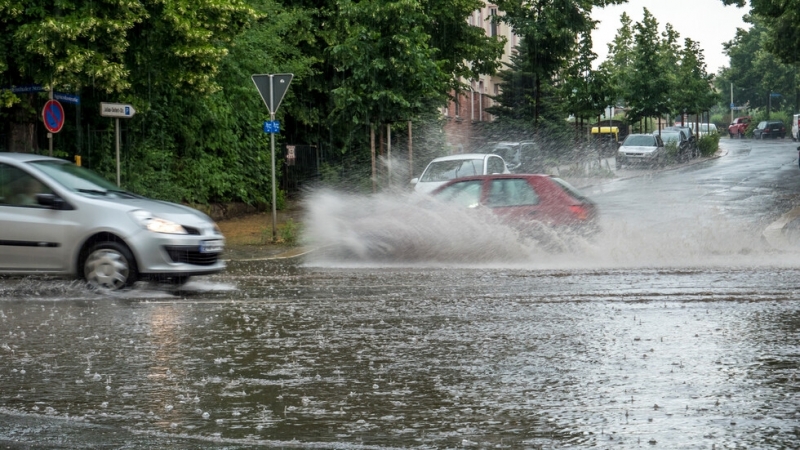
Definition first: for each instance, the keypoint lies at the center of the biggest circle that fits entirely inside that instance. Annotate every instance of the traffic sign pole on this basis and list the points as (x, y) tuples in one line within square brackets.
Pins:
[(272, 157), (265, 84)]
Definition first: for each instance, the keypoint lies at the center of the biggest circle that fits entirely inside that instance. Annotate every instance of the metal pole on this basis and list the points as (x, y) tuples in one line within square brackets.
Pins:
[(389, 153), (410, 153), (731, 102), (50, 135), (117, 139), (272, 153), (372, 152)]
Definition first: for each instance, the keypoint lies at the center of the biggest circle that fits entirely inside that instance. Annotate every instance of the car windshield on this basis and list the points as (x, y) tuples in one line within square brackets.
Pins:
[(79, 179), (451, 169), (640, 140), (670, 136)]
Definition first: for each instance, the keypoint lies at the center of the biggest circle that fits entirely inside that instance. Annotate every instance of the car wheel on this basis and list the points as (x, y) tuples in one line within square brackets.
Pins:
[(741, 136), (109, 265)]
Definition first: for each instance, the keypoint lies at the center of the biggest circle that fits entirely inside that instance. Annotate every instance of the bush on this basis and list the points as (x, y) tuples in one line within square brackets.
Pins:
[(708, 144), (290, 232)]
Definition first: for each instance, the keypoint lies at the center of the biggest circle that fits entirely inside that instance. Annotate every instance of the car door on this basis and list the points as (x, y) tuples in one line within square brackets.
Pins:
[(514, 201), (31, 235)]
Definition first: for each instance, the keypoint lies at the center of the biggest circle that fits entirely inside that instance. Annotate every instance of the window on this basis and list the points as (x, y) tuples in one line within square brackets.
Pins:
[(495, 165), (465, 193), (493, 23), (19, 188), (511, 192)]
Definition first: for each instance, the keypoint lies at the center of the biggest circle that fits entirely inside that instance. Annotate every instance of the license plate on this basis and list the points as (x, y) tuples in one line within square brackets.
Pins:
[(212, 246)]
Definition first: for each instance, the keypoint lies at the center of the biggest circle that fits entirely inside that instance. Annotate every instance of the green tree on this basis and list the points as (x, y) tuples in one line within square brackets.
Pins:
[(647, 81)]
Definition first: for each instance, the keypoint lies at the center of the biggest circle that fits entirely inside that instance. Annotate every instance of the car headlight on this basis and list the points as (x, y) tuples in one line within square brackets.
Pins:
[(156, 224)]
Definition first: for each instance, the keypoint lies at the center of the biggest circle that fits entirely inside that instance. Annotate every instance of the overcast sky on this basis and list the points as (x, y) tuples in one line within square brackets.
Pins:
[(707, 21)]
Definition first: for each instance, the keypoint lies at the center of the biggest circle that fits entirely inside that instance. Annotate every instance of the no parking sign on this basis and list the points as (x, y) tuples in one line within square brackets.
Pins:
[(53, 116)]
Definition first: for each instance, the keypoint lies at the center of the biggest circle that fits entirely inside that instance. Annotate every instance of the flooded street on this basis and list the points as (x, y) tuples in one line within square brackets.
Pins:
[(676, 328)]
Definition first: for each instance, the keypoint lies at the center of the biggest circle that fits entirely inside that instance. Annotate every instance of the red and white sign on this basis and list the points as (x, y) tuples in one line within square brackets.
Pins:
[(53, 116)]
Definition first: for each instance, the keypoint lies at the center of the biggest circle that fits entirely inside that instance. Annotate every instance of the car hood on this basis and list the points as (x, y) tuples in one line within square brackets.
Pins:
[(166, 210), (637, 149)]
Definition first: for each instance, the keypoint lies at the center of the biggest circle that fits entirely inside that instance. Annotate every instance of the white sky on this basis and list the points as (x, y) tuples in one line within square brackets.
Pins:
[(707, 21)]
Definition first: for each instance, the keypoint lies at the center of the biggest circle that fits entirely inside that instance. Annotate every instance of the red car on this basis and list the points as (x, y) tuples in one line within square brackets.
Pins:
[(739, 127), (524, 201)]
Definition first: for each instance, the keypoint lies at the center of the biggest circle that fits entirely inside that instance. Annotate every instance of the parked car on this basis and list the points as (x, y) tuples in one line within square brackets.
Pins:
[(795, 126), (60, 218), (682, 143), (446, 168), (640, 149), (705, 129), (770, 129), (738, 127), (691, 147), (519, 156), (524, 201)]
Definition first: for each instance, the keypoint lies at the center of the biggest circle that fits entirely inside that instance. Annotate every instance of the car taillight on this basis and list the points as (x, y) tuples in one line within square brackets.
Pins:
[(580, 211)]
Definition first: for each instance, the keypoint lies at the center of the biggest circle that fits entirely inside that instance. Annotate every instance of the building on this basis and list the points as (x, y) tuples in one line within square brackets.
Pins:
[(469, 108)]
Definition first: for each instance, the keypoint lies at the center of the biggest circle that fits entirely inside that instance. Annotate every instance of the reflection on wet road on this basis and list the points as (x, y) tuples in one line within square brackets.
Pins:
[(676, 328), (391, 357)]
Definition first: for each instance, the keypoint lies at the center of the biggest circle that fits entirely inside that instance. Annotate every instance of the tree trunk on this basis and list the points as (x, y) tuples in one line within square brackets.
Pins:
[(22, 127)]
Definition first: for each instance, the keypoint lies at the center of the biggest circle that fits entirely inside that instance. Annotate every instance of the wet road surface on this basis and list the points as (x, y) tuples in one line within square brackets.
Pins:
[(681, 332)]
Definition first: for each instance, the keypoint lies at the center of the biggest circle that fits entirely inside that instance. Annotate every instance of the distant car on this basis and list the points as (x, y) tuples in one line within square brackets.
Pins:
[(706, 129), (795, 126), (682, 143), (690, 135), (524, 201), (645, 149), (738, 127), (446, 168), (60, 218), (770, 129)]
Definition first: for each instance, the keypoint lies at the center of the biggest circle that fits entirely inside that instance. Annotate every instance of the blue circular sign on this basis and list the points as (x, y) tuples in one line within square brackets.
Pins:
[(53, 116)]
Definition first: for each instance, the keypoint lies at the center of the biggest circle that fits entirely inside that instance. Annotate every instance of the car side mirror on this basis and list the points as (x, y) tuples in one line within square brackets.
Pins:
[(51, 200), (414, 181)]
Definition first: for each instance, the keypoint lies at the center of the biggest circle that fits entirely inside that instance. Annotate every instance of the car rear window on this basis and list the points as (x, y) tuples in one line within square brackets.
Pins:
[(451, 169), (569, 189)]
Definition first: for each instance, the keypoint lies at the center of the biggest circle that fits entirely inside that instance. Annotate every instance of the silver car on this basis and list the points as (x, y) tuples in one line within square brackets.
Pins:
[(59, 218), (640, 149), (446, 168)]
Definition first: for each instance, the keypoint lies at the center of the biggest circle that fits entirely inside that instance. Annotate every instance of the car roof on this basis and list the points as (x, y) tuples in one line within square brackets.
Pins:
[(463, 156), (25, 157)]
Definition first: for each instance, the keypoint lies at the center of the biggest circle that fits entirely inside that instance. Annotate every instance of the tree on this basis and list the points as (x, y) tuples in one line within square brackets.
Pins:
[(551, 28), (647, 81), (782, 33)]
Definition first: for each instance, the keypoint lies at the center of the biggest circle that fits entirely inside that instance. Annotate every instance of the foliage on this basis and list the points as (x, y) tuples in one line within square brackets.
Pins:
[(290, 232), (782, 33), (756, 73), (708, 144)]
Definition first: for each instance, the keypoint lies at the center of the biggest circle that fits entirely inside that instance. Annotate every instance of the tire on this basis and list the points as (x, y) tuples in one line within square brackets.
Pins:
[(109, 266), (741, 136)]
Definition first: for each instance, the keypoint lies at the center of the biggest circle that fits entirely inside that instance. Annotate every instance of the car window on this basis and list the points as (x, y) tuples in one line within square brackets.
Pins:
[(19, 188), (640, 140), (463, 193), (511, 192), (671, 137), (495, 165), (507, 153), (762, 125), (451, 169)]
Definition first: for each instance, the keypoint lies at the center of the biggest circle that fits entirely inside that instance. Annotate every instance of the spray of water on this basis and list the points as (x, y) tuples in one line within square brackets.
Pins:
[(399, 228)]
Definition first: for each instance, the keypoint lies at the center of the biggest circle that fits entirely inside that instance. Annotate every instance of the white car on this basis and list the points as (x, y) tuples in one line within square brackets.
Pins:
[(640, 149), (59, 218), (795, 125), (446, 168)]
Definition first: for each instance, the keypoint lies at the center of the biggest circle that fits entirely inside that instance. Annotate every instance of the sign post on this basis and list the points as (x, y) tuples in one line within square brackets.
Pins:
[(117, 111), (272, 88)]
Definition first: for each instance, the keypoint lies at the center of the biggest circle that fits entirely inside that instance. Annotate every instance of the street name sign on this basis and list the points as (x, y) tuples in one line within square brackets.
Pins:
[(53, 116), (272, 88), (118, 110)]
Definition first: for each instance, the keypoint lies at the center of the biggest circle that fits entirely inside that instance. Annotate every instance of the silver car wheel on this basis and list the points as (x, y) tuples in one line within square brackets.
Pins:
[(107, 269)]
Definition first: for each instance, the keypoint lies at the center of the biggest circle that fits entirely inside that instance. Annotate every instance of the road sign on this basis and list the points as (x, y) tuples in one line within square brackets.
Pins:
[(732, 105), (53, 116), (67, 98), (774, 94), (272, 126), (118, 110), (272, 88)]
